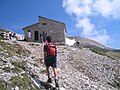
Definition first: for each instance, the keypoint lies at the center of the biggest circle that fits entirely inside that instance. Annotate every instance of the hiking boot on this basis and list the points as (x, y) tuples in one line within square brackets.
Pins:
[(49, 80), (56, 83)]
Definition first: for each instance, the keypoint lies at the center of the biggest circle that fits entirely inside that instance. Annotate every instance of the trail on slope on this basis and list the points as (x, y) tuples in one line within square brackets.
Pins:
[(78, 69)]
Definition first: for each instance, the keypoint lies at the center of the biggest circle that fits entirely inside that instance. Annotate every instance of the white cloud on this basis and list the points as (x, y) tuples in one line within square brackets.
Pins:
[(77, 7), (102, 7), (83, 9), (107, 8), (115, 8), (87, 26), (89, 31)]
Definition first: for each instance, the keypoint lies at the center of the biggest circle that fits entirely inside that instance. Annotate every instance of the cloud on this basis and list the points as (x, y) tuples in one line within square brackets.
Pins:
[(107, 8), (77, 8), (83, 9), (89, 31), (87, 26)]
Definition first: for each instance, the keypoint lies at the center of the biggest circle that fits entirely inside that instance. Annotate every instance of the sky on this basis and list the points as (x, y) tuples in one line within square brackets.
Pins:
[(98, 20)]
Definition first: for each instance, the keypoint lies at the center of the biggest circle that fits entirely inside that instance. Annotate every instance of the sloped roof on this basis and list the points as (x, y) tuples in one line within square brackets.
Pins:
[(47, 19), (30, 26), (51, 20)]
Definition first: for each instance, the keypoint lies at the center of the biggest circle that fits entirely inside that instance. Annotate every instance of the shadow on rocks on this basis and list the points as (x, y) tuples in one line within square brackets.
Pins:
[(46, 85)]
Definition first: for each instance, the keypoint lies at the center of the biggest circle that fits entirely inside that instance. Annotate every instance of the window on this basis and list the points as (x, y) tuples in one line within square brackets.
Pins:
[(44, 23)]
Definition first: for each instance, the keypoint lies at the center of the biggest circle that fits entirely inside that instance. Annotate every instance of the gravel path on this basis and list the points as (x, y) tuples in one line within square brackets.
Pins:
[(79, 69)]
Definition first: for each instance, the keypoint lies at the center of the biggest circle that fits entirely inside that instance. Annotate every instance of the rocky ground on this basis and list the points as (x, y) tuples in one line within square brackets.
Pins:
[(78, 68)]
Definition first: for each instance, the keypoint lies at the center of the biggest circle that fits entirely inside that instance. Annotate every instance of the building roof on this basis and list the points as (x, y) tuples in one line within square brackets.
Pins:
[(30, 26), (44, 18), (51, 20)]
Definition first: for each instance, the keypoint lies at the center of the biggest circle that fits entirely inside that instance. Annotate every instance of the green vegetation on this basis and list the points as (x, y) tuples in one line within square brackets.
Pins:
[(24, 82), (116, 51), (113, 54), (1, 38), (9, 50), (16, 70), (18, 81), (4, 30), (3, 85), (101, 52), (7, 69), (18, 65)]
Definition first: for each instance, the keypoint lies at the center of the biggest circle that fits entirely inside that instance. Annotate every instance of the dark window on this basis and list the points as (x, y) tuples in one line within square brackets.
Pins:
[(44, 23), (36, 35)]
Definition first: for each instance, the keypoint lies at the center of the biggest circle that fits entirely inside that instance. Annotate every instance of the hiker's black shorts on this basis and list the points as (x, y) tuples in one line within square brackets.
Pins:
[(51, 61)]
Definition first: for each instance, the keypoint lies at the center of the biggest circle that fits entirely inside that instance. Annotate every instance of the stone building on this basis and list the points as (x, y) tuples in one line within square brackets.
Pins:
[(55, 29)]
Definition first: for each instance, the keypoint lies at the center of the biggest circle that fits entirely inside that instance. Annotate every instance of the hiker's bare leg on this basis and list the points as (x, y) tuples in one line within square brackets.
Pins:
[(56, 78), (55, 72), (48, 72)]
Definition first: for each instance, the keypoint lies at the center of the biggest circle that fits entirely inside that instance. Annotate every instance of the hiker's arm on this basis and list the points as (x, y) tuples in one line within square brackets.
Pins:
[(55, 51), (45, 55)]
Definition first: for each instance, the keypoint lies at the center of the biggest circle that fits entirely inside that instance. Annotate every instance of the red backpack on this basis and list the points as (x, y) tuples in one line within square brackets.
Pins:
[(51, 49)]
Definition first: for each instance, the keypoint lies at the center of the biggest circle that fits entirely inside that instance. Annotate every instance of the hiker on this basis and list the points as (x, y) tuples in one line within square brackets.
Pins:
[(14, 36), (78, 43), (44, 36), (10, 35), (29, 36), (41, 38), (50, 54)]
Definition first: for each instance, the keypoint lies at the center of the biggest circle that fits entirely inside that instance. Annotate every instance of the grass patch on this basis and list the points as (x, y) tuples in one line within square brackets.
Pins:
[(4, 30), (116, 51), (9, 50), (101, 52), (111, 53), (21, 65), (16, 70), (3, 85), (24, 83), (20, 82), (115, 54), (7, 69)]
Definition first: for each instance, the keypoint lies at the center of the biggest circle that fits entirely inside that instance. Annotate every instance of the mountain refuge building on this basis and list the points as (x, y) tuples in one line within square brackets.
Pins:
[(55, 29)]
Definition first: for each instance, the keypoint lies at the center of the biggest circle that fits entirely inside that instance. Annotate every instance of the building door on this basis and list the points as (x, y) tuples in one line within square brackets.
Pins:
[(36, 35)]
